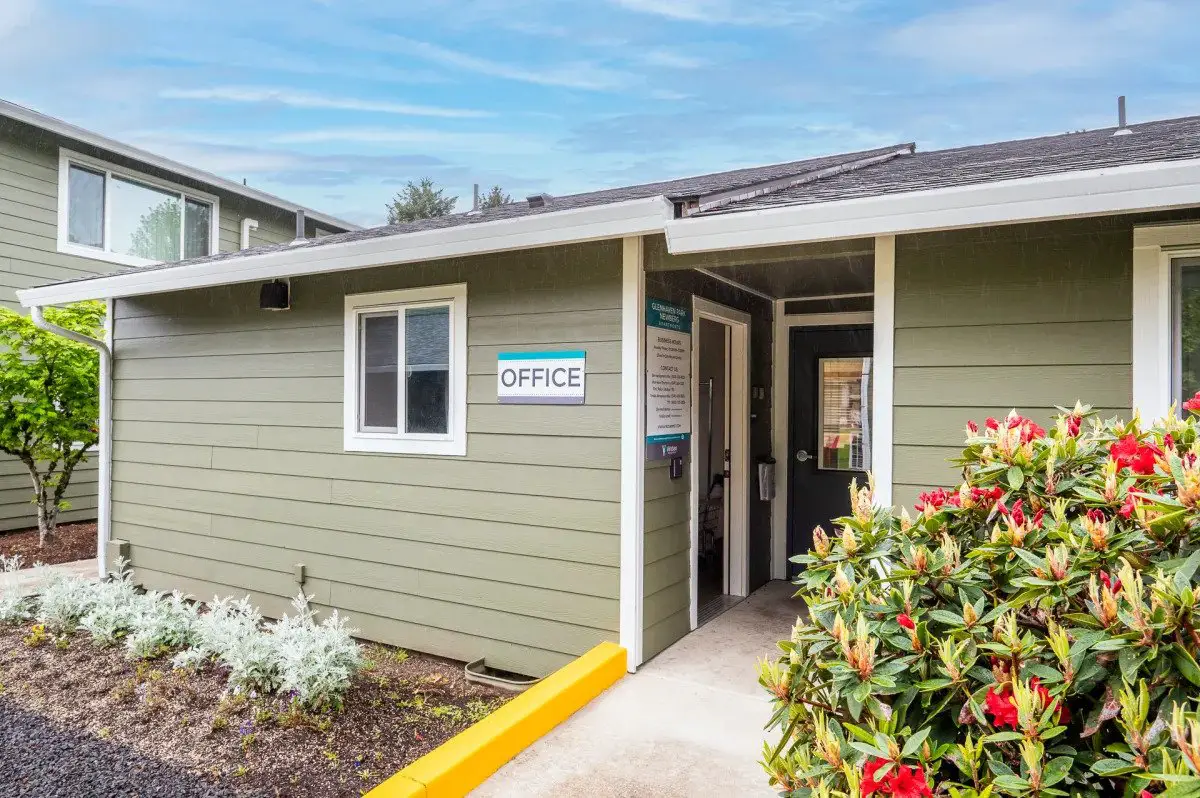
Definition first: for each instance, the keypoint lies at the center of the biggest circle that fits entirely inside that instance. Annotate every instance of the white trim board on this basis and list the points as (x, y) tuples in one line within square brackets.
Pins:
[(75, 133), (633, 447), (1093, 192), (617, 220), (737, 487), (1153, 325)]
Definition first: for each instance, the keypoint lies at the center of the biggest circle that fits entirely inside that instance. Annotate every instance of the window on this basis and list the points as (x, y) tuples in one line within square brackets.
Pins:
[(115, 215), (1166, 316), (1186, 299), (843, 413), (406, 371)]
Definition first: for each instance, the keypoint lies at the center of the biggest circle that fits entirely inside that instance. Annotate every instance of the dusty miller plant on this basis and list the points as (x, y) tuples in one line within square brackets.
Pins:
[(15, 604), (115, 608), (161, 623), (49, 401), (316, 659), (1033, 631)]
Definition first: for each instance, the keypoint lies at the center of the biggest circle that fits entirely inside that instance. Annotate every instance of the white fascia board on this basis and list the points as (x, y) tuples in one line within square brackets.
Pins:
[(1122, 189), (617, 220), (75, 133)]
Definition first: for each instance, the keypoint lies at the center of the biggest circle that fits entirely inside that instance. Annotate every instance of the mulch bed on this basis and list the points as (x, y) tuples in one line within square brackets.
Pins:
[(73, 542), (182, 725)]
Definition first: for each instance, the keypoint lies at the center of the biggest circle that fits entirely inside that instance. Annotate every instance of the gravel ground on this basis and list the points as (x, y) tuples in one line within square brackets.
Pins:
[(46, 760)]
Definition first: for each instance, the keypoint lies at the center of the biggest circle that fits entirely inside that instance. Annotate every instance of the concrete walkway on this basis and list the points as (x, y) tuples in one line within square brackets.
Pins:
[(688, 723), (29, 580)]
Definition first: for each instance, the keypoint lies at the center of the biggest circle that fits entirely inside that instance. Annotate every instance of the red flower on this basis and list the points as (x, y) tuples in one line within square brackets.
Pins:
[(972, 427), (1016, 516), (986, 496), (1147, 793), (907, 782), (992, 424), (1029, 430), (869, 785), (1037, 518), (1193, 405), (1134, 455), (905, 621), (1001, 707), (902, 781), (935, 500), (1064, 714), (1073, 424), (1128, 508), (1113, 585)]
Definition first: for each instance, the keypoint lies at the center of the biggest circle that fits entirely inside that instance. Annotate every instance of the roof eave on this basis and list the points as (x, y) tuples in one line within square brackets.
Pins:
[(617, 220), (1123, 189), (84, 136)]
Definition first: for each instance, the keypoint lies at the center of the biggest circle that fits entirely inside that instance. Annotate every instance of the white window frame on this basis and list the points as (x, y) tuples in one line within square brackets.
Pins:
[(67, 158), (454, 442), (1155, 350)]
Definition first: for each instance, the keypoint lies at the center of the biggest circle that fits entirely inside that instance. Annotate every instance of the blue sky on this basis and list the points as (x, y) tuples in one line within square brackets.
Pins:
[(336, 103)]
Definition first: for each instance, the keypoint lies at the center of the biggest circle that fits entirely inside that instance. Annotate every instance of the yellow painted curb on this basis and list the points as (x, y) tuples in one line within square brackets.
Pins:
[(465, 761)]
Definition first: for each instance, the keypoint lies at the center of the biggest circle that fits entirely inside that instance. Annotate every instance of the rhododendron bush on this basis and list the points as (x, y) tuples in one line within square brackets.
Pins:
[(1032, 631)]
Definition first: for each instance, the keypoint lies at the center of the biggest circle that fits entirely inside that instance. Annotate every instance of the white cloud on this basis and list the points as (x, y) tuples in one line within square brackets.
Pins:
[(580, 75), (739, 12), (670, 59), (299, 99), (14, 15), (1031, 37), (434, 141)]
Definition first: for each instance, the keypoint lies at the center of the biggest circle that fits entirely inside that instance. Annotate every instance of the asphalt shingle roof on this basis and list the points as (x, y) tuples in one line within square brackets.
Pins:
[(1165, 140), (672, 189), (905, 171)]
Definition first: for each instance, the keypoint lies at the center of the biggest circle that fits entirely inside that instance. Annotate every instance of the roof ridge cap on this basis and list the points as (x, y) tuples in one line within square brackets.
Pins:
[(723, 198)]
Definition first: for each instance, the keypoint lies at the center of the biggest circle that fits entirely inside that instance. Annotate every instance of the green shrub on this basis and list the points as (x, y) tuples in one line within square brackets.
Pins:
[(1033, 632)]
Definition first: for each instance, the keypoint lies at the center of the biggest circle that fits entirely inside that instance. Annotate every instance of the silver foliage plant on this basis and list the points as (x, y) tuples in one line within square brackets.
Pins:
[(309, 661), (15, 606), (316, 660)]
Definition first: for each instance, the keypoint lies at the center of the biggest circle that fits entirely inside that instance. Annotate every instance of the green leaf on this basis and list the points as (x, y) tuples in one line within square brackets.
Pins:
[(1015, 477), (1114, 767), (1056, 770), (1183, 577), (1186, 664), (914, 742), (1130, 659), (1004, 737)]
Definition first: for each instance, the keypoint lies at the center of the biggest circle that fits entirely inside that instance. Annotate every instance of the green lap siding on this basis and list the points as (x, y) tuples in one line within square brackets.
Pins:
[(29, 160), (229, 467), (1026, 317)]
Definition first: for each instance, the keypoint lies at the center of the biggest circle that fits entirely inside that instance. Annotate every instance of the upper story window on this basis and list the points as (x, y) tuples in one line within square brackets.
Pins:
[(113, 214), (406, 371)]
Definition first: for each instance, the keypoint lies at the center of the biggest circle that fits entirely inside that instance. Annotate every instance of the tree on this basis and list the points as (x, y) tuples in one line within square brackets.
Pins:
[(494, 198), (49, 401), (419, 201), (157, 233)]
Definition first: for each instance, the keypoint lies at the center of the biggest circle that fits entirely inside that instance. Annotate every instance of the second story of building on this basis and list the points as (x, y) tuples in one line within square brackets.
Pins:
[(75, 203)]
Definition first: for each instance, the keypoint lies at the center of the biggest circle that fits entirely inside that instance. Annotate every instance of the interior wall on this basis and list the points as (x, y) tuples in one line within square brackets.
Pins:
[(711, 443)]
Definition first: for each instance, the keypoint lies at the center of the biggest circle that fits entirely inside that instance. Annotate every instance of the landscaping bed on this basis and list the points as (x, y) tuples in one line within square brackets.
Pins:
[(213, 701), (73, 542)]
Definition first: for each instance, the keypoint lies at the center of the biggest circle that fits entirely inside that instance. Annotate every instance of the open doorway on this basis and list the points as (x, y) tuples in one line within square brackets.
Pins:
[(719, 460)]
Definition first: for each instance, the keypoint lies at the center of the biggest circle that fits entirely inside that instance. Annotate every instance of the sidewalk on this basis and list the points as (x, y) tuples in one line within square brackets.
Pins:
[(689, 723), (29, 579)]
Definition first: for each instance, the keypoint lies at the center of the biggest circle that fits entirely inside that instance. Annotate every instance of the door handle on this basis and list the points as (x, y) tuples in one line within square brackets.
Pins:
[(802, 456)]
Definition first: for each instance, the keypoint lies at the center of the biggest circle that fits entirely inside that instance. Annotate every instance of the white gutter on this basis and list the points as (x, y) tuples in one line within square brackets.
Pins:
[(104, 502), (75, 133), (1122, 189), (616, 220)]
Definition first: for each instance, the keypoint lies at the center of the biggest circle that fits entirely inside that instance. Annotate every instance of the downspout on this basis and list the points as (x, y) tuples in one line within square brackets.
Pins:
[(104, 508), (247, 226)]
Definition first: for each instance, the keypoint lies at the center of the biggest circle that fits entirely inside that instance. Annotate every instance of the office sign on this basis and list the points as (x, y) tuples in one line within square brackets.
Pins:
[(541, 378), (668, 380)]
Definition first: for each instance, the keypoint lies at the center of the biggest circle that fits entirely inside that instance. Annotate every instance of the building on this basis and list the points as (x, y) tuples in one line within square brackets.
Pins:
[(74, 203), (409, 441)]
